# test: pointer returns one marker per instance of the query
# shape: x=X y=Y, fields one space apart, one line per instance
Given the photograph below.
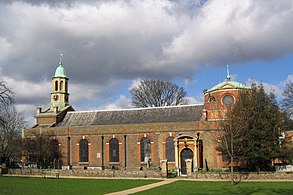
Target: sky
x=110 y=45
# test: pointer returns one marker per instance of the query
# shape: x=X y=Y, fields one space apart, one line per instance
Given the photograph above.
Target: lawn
x=29 y=185
x=195 y=187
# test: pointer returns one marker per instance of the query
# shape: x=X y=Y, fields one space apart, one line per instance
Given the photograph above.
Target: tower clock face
x=228 y=100
x=55 y=97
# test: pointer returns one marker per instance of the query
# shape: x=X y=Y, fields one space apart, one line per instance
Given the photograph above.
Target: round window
x=212 y=99
x=228 y=100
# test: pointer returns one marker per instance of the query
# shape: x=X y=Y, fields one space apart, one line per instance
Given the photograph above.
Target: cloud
x=121 y=103
x=225 y=32
x=106 y=43
x=276 y=89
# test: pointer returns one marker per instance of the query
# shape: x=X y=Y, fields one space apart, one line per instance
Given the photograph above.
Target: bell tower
x=59 y=94
x=59 y=104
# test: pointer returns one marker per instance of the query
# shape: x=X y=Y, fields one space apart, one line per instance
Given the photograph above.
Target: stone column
x=176 y=158
x=164 y=168
x=196 y=156
x=188 y=167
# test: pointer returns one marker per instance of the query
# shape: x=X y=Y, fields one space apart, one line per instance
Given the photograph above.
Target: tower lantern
x=59 y=94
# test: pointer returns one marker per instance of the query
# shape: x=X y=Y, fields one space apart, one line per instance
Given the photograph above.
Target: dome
x=60 y=72
x=230 y=83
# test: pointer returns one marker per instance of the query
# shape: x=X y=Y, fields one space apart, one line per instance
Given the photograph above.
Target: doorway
x=186 y=154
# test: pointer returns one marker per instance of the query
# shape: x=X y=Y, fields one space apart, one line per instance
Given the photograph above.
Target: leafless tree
x=287 y=102
x=6 y=95
x=157 y=93
x=11 y=123
x=10 y=133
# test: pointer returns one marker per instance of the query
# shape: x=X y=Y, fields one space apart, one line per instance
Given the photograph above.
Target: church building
x=132 y=139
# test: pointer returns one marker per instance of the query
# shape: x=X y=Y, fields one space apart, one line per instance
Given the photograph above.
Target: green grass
x=195 y=187
x=29 y=185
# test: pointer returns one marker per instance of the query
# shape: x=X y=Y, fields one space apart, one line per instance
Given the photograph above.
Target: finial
x=228 y=74
x=61 y=59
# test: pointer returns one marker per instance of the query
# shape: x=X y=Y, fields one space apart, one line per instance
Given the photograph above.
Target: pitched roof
x=133 y=116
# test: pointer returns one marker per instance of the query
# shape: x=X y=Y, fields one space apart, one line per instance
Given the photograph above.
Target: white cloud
x=106 y=43
x=234 y=31
x=135 y=83
x=276 y=89
x=121 y=103
x=195 y=100
x=29 y=92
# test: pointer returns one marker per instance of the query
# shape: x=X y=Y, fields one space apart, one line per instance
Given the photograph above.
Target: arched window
x=31 y=147
x=66 y=86
x=114 y=150
x=56 y=85
x=145 y=149
x=83 y=151
x=61 y=85
x=54 y=150
x=170 y=151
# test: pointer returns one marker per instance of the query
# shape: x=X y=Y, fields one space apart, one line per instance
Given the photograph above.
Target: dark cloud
x=107 y=42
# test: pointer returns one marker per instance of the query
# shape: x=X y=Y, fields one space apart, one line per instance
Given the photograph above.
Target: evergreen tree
x=251 y=132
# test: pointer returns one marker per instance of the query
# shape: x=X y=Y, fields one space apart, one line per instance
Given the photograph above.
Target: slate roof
x=133 y=116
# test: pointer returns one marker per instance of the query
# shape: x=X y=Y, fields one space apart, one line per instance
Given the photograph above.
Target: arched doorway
x=186 y=154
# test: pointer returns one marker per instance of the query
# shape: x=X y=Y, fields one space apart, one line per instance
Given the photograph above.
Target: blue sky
x=109 y=46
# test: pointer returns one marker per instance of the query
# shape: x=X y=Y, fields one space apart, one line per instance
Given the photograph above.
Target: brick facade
x=193 y=127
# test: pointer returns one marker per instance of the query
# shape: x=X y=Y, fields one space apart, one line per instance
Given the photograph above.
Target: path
x=142 y=188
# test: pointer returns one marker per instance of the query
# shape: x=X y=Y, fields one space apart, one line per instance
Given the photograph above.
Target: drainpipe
x=103 y=165
x=125 y=156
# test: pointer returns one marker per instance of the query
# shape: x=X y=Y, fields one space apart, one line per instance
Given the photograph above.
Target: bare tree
x=287 y=102
x=157 y=93
x=11 y=124
x=6 y=95
x=10 y=133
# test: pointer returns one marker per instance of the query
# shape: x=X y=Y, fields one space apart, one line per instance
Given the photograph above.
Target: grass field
x=27 y=185
x=192 y=187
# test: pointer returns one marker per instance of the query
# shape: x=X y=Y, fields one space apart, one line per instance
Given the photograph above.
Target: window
x=212 y=99
x=114 y=150
x=83 y=151
x=61 y=85
x=56 y=85
x=170 y=151
x=228 y=100
x=145 y=149
x=31 y=147
x=54 y=150
x=66 y=86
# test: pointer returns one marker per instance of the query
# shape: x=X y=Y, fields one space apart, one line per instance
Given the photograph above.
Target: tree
x=287 y=102
x=11 y=123
x=251 y=132
x=157 y=93
x=10 y=133
x=6 y=95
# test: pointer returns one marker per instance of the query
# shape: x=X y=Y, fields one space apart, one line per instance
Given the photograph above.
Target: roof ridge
x=132 y=109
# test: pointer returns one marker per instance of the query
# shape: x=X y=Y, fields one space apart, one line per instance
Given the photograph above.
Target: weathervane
x=228 y=74
x=61 y=59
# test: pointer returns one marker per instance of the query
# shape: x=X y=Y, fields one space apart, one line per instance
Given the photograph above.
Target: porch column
x=176 y=157
x=195 y=157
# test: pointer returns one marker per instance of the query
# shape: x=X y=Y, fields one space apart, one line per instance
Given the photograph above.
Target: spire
x=228 y=74
x=60 y=71
x=61 y=59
